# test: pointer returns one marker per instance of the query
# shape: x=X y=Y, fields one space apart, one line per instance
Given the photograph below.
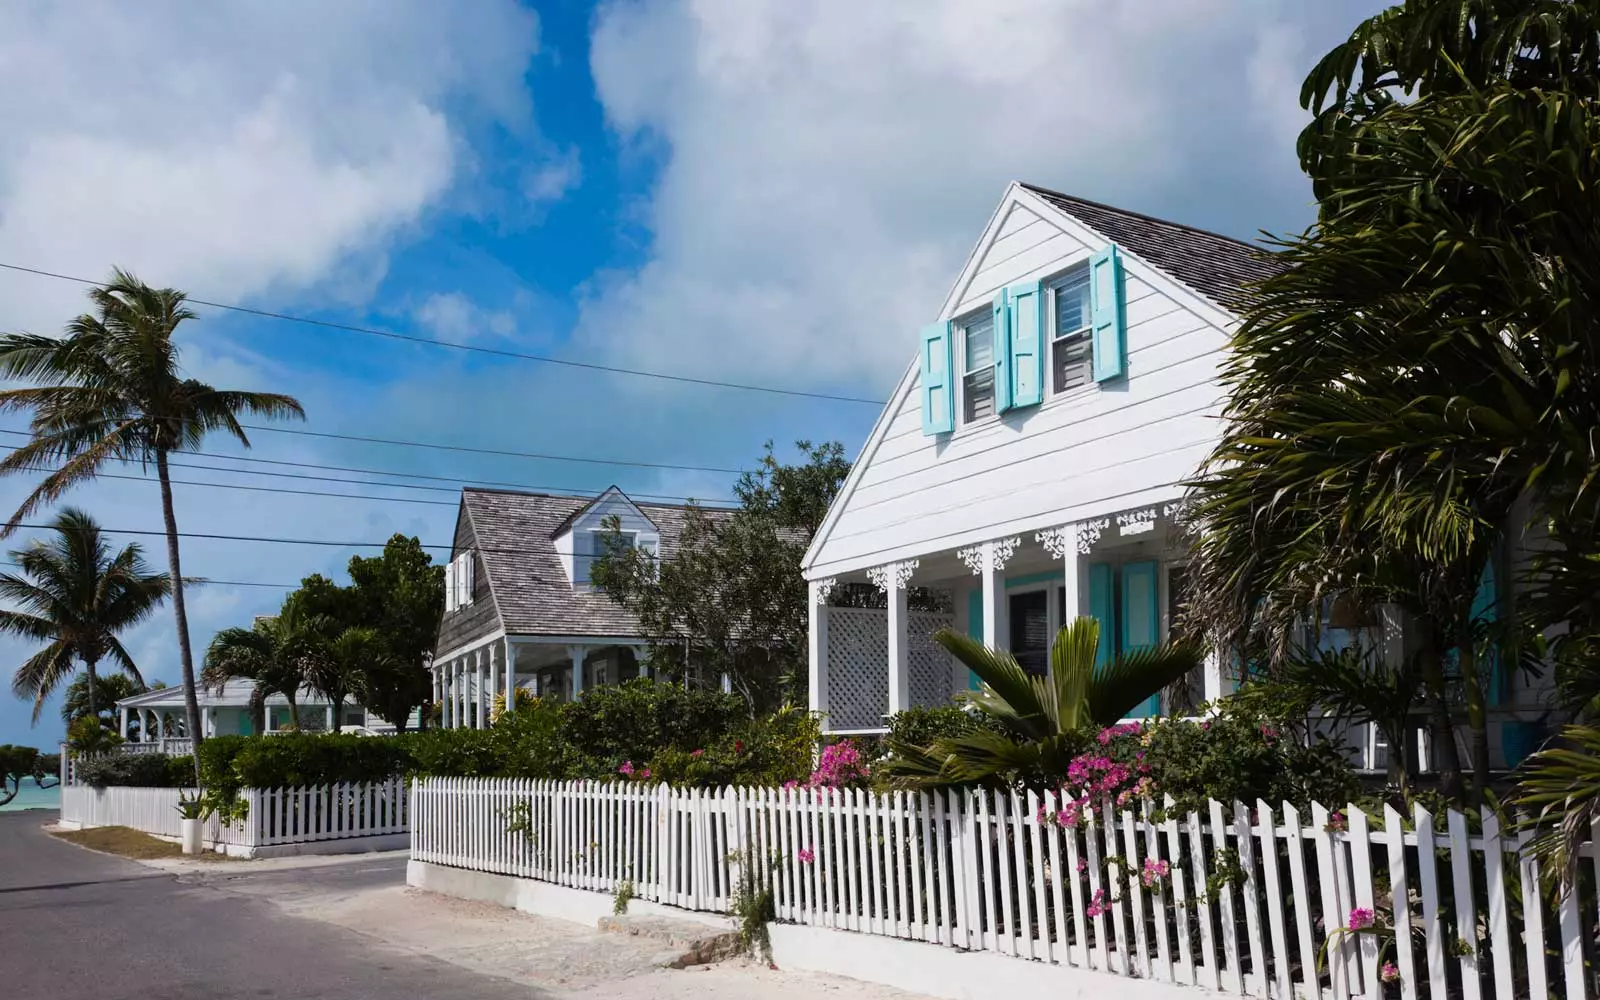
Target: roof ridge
x=1142 y=215
x=704 y=505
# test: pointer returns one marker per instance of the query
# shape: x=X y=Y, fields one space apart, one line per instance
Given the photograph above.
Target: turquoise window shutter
x=1108 y=325
x=1103 y=608
x=974 y=630
x=1141 y=617
x=1026 y=343
x=1002 y=353
x=938 y=387
x=1486 y=610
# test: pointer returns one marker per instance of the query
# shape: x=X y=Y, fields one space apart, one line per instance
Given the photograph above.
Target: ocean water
x=31 y=796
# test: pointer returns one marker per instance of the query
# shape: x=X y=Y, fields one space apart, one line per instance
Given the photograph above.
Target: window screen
x=977 y=381
x=1071 y=359
x=1030 y=630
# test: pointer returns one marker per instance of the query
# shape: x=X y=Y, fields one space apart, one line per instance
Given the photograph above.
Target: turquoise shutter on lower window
x=1025 y=343
x=1486 y=609
x=1107 y=324
x=938 y=387
x=1103 y=608
x=1002 y=352
x=974 y=630
x=1141 y=618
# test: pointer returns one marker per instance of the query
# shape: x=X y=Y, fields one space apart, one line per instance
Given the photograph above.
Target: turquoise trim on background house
x=1001 y=332
x=938 y=387
x=1108 y=325
x=1025 y=344
x=1103 y=608
x=1141 y=618
x=1032 y=578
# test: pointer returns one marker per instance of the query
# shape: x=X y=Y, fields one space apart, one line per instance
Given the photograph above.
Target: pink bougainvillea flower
x=1361 y=918
x=1083 y=864
x=626 y=769
x=1337 y=822
x=697 y=753
x=806 y=857
x=1390 y=973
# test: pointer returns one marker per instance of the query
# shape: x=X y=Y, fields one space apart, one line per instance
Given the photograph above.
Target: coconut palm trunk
x=180 y=617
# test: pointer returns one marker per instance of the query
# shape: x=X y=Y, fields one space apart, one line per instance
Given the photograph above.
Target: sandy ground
x=550 y=956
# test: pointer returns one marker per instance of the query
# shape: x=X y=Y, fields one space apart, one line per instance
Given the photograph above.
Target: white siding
x=1086 y=453
x=574 y=545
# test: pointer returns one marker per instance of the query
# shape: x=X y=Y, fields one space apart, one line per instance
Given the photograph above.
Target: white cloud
x=552 y=179
x=266 y=149
x=453 y=316
x=830 y=164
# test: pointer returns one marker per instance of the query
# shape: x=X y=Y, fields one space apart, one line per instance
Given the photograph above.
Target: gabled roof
x=514 y=535
x=1219 y=267
x=606 y=494
x=235 y=692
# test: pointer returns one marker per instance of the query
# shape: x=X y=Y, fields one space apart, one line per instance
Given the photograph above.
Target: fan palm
x=1040 y=722
x=106 y=692
x=1560 y=788
x=277 y=653
x=112 y=390
x=76 y=593
x=341 y=665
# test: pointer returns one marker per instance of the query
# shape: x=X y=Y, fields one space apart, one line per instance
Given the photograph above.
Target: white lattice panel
x=930 y=664
x=858 y=664
x=858 y=667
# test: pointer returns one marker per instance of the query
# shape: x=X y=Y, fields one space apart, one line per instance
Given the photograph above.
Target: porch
x=1012 y=593
x=466 y=684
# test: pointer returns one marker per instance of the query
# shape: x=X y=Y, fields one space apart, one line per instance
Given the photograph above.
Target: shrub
x=769 y=751
x=145 y=770
x=921 y=726
x=639 y=718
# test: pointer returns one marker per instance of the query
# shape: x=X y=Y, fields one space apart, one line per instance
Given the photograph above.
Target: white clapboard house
x=1031 y=460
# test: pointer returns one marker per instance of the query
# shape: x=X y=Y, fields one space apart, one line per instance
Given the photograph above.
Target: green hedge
x=146 y=770
x=687 y=737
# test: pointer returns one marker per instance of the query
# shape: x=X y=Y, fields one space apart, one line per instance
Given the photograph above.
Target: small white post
x=993 y=596
x=479 y=712
x=122 y=722
x=433 y=668
x=332 y=723
x=641 y=654
x=511 y=675
x=899 y=658
x=819 y=591
x=1072 y=582
x=575 y=653
x=463 y=720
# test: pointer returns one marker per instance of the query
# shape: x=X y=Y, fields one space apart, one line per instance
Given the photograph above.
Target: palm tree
x=76 y=594
x=340 y=665
x=107 y=691
x=277 y=653
x=112 y=390
x=1039 y=722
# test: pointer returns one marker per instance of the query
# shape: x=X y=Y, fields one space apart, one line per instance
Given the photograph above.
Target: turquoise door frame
x=975 y=610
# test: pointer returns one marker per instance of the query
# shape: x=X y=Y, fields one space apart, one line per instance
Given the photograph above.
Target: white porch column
x=640 y=655
x=575 y=653
x=441 y=680
x=819 y=593
x=208 y=720
x=492 y=665
x=511 y=675
x=460 y=677
x=1069 y=545
x=122 y=723
x=988 y=562
x=892 y=580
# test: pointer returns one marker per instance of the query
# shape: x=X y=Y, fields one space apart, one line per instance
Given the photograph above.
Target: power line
x=202 y=580
x=478 y=349
x=459 y=482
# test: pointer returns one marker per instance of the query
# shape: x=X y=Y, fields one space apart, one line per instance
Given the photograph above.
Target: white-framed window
x=459 y=579
x=596 y=542
x=977 y=366
x=1071 y=351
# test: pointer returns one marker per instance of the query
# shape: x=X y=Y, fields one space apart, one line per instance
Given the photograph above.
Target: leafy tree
x=276 y=653
x=112 y=390
x=107 y=692
x=395 y=601
x=731 y=600
x=17 y=763
x=1037 y=724
x=76 y=594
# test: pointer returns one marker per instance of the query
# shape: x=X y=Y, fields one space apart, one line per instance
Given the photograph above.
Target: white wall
x=1086 y=453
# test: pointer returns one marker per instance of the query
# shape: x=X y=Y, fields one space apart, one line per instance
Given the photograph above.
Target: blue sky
x=762 y=192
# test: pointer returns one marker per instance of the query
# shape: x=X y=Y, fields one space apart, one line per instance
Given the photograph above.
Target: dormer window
x=603 y=543
x=1071 y=354
x=977 y=378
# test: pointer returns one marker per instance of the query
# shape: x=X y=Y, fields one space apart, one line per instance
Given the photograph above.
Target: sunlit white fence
x=1249 y=899
x=273 y=818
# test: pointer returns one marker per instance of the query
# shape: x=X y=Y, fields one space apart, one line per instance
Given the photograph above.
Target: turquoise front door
x=1141 y=617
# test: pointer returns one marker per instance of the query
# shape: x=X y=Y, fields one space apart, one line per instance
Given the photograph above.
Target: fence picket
x=1180 y=898
x=1158 y=898
x=1116 y=894
x=1203 y=894
x=1063 y=949
x=1229 y=927
x=1500 y=941
x=1533 y=917
x=1135 y=888
x=1361 y=872
x=1016 y=828
x=970 y=907
x=1273 y=884
x=1311 y=981
x=1428 y=885
x=1466 y=914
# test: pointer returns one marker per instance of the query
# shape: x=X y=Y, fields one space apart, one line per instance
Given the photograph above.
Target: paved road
x=75 y=925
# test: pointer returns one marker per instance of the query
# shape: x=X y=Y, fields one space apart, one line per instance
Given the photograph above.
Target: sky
x=760 y=192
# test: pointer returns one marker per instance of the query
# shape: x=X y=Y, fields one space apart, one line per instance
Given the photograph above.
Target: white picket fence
x=274 y=817
x=1255 y=900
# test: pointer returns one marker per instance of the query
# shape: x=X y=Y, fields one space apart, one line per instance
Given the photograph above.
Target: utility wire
x=201 y=580
x=455 y=489
x=478 y=349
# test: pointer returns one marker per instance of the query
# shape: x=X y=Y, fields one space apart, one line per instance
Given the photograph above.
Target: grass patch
x=129 y=843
